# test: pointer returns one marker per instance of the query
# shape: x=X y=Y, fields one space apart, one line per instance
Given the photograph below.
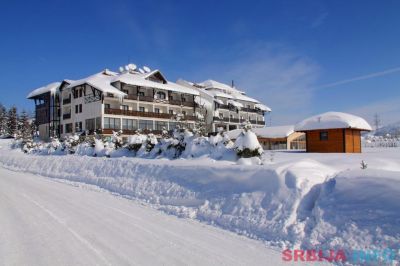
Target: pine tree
x=3 y=120
x=24 y=127
x=12 y=122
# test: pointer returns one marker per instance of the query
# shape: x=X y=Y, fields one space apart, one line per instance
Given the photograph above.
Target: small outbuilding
x=333 y=132
x=276 y=138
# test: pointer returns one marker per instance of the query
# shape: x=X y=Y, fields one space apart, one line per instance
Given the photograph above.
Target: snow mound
x=332 y=120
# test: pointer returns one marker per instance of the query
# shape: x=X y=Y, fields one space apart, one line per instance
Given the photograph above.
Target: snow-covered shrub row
x=387 y=141
x=182 y=144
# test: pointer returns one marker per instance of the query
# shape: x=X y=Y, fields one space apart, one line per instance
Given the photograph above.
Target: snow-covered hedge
x=181 y=144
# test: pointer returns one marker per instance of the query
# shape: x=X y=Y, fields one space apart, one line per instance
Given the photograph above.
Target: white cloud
x=273 y=74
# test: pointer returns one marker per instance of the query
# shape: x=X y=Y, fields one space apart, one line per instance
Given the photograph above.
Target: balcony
x=109 y=131
x=66 y=116
x=224 y=106
x=190 y=117
x=175 y=102
x=111 y=111
x=253 y=121
x=250 y=110
x=67 y=101
x=260 y=122
x=234 y=120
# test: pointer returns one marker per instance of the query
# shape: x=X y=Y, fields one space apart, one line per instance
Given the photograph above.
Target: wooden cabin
x=333 y=132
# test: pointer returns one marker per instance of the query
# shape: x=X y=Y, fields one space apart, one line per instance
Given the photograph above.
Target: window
x=146 y=124
x=68 y=128
x=80 y=92
x=160 y=95
x=171 y=112
x=90 y=124
x=323 y=135
x=141 y=109
x=172 y=125
x=157 y=110
x=160 y=125
x=78 y=108
x=61 y=129
x=107 y=106
x=184 y=112
x=140 y=93
x=183 y=99
x=112 y=123
x=78 y=126
x=110 y=94
x=98 y=122
x=129 y=124
x=125 y=107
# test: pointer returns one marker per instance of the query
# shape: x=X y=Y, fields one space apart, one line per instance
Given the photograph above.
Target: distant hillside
x=392 y=129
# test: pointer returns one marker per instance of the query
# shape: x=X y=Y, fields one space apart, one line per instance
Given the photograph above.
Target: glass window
x=112 y=123
x=146 y=124
x=160 y=95
x=98 y=122
x=125 y=107
x=323 y=135
x=157 y=110
x=172 y=125
x=90 y=124
x=141 y=109
x=129 y=124
x=107 y=106
x=160 y=125
x=171 y=112
x=68 y=128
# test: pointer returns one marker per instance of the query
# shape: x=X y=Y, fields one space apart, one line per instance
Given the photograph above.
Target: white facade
x=130 y=100
x=226 y=106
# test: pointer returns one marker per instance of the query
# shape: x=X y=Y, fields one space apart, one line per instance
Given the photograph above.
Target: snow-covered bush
x=135 y=142
x=148 y=145
x=221 y=143
x=246 y=144
x=70 y=143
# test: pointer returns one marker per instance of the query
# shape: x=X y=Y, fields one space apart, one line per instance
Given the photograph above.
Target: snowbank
x=295 y=201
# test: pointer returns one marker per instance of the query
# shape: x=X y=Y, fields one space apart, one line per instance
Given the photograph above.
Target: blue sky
x=284 y=53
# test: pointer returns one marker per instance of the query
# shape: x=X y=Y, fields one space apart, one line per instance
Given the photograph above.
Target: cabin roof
x=332 y=120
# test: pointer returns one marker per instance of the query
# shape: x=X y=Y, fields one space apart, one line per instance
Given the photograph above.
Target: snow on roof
x=266 y=132
x=331 y=120
x=208 y=84
x=262 y=107
x=245 y=98
x=52 y=87
x=218 y=101
x=139 y=80
x=100 y=81
x=236 y=104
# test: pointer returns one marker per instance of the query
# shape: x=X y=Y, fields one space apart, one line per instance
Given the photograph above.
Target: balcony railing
x=66 y=116
x=109 y=131
x=67 y=101
x=224 y=106
x=260 y=122
x=175 y=102
x=111 y=111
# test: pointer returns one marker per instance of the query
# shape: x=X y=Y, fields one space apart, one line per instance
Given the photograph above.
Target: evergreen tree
x=24 y=127
x=12 y=122
x=3 y=120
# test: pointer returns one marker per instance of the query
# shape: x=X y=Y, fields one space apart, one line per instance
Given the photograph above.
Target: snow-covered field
x=294 y=200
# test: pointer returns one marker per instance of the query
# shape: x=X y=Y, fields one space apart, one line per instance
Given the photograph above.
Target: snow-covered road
x=48 y=222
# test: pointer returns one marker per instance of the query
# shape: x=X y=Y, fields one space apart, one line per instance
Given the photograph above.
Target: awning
x=236 y=104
